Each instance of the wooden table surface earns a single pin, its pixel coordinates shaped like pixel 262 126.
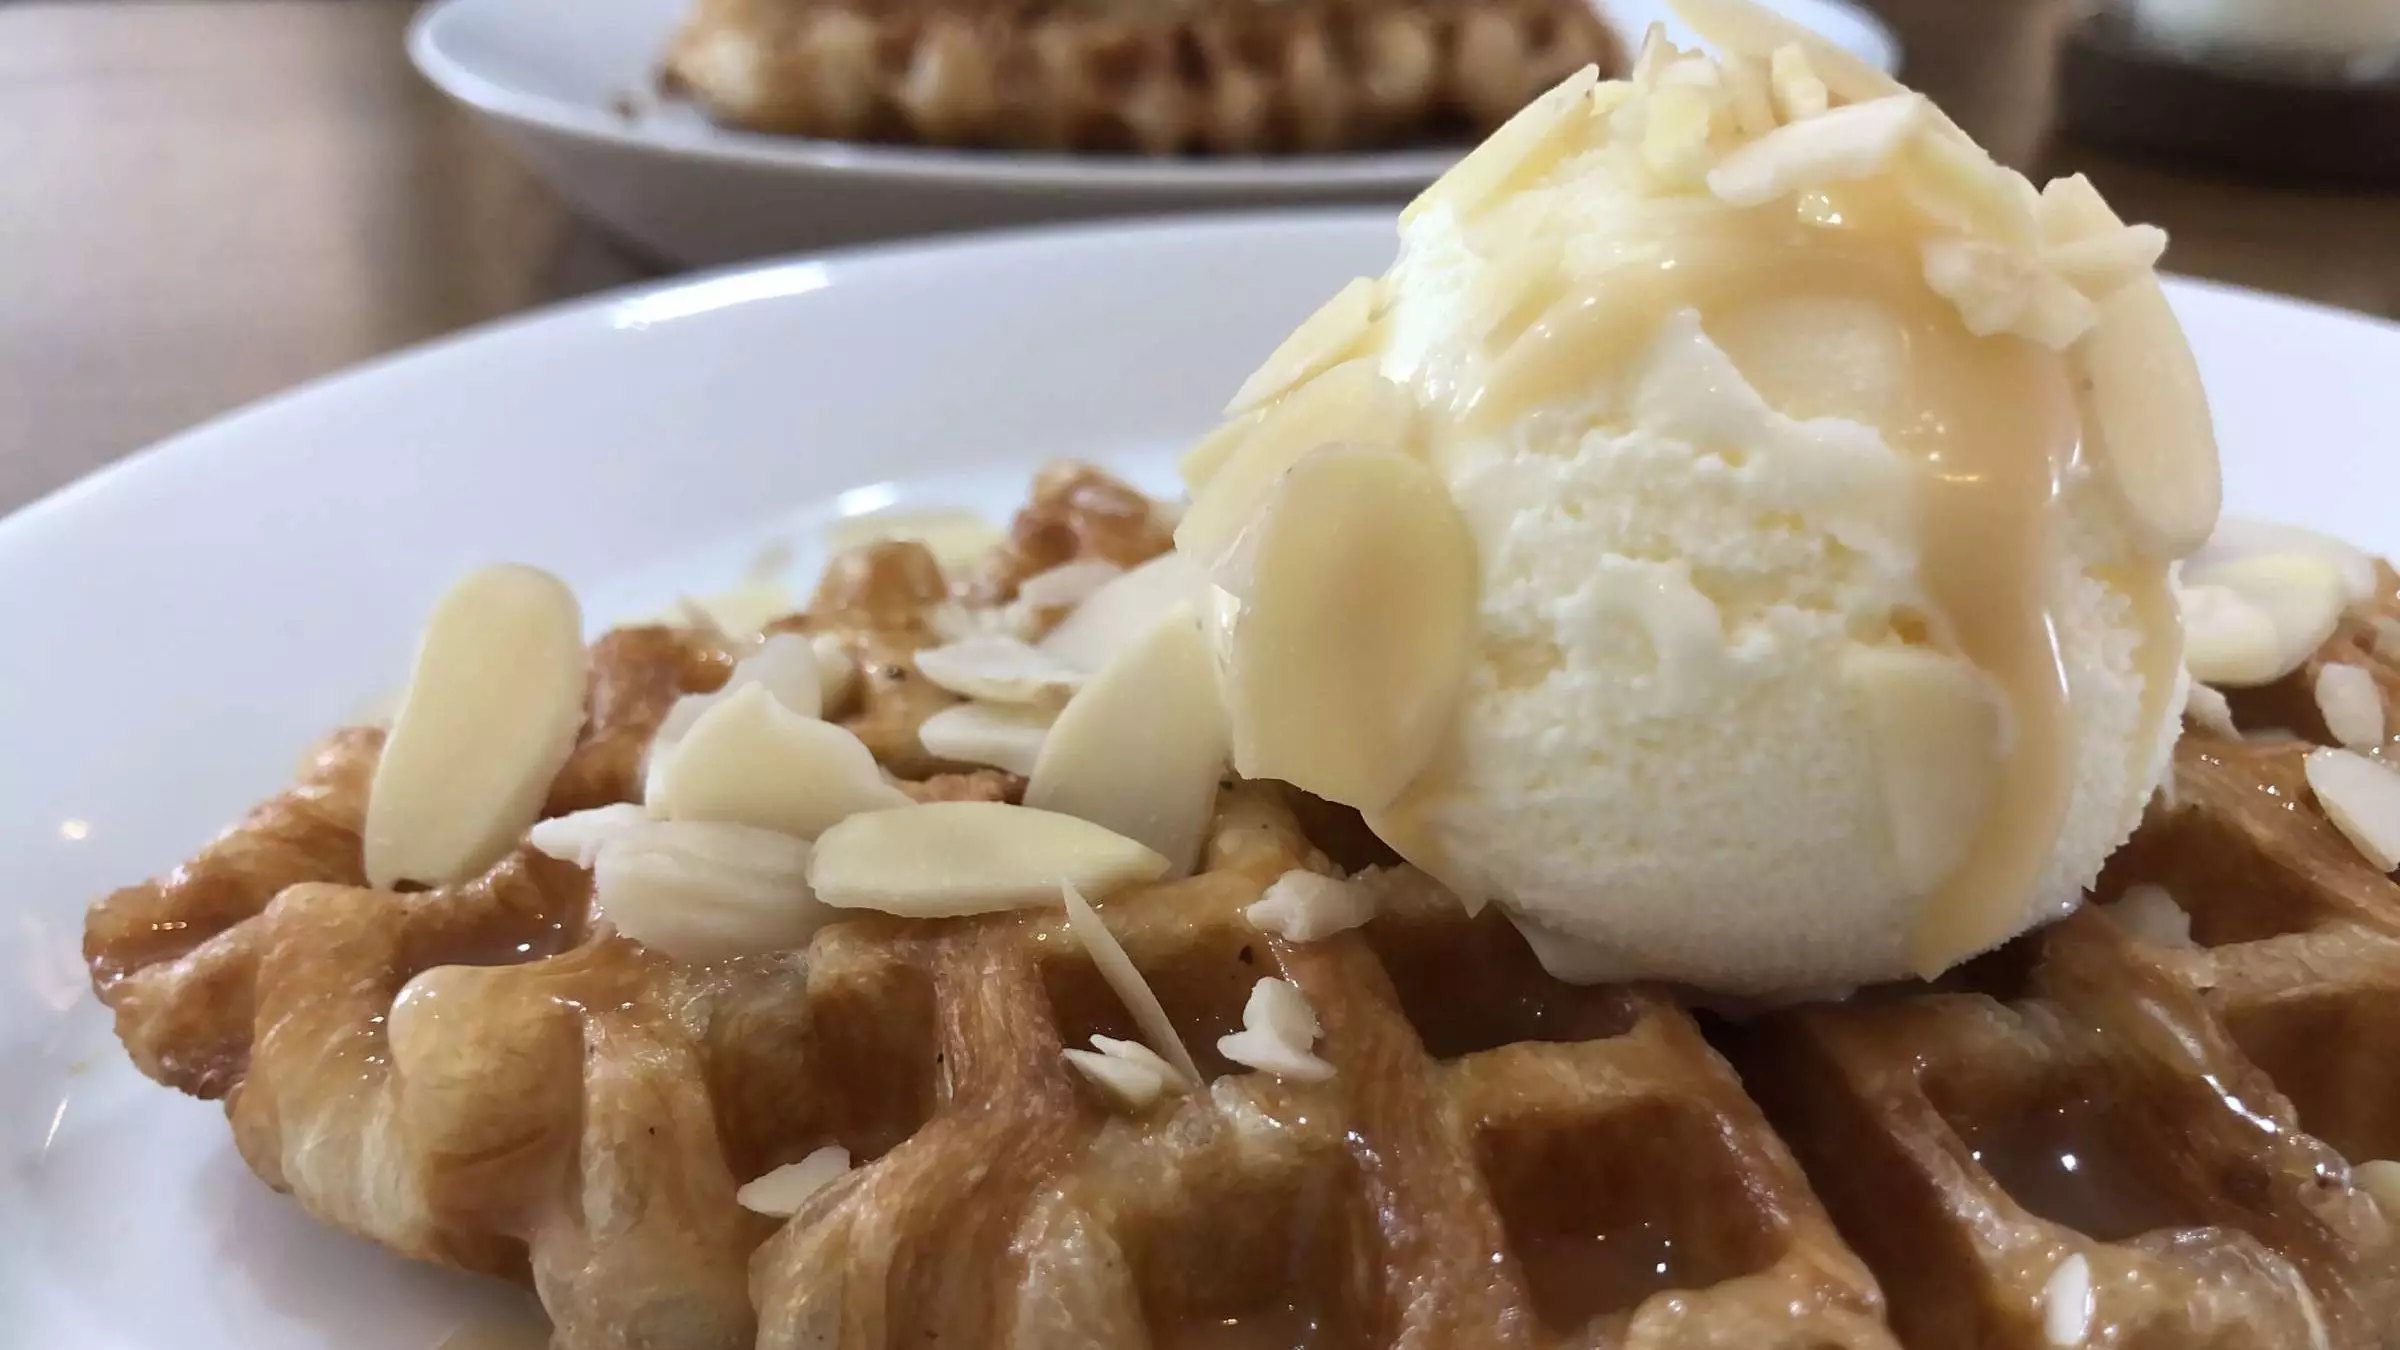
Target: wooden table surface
pixel 206 201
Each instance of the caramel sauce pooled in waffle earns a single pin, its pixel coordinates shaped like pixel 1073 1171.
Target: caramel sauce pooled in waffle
pixel 486 1076
pixel 1157 77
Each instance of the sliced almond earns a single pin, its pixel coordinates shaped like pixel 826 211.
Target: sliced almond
pixel 742 611
pixel 957 539
pixel 2098 265
pixel 1792 82
pixel 2147 427
pixel 577 836
pixel 1305 906
pixel 2147 912
pixel 2380 1179
pixel 1278 1027
pixel 2227 640
pixel 1841 146
pixel 1347 625
pixel 1998 289
pixel 1528 141
pixel 2301 595
pixel 1749 96
pixel 1956 185
pixel 837 674
pixel 1741 28
pixel 491 713
pixel 1514 281
pixel 2351 704
pixel 2387 638
pixel 1067 585
pixel 1934 728
pixel 751 761
pixel 1124 610
pixel 1133 1084
pixel 946 858
pixel 1676 133
pixel 2067 1302
pixel 1141 749
pixel 1323 340
pixel 786 665
pixel 1004 736
pixel 2236 538
pixel 2070 208
pixel 782 1192
pixel 1208 454
pixel 1000 669
pixel 1350 404
pixel 1109 958
pixel 2362 799
pixel 2209 709
pixel 701 891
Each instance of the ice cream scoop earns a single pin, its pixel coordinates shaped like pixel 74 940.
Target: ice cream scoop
pixel 1736 534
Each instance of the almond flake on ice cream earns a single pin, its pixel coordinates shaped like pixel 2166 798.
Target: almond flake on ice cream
pixel 2351 704
pixel 782 1192
pixel 1322 340
pixel 1117 968
pixel 1303 906
pixel 1852 142
pixel 2362 799
pixel 939 859
pixel 491 713
pixel 1128 1071
pixel 1278 1027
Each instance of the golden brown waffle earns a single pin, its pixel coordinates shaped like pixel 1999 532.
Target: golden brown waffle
pixel 2179 1116
pixel 1158 77
pixel 484 1076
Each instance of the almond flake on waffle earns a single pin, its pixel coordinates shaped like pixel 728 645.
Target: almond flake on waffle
pixel 1246 77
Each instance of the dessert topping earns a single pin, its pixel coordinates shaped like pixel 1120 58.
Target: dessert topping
pixel 1302 906
pixel 1109 958
pixel 749 760
pixel 1278 1027
pixel 2362 799
pixel 491 714
pixel 1345 624
pixel 938 859
pixel 1128 1071
pixel 1141 749
pixel 1004 736
pixel 2351 704
pixel 783 1191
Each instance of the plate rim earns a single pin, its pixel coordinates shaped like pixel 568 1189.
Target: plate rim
pixel 1008 170
pixel 41 512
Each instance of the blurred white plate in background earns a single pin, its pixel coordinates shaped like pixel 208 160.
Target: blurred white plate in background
pixel 556 78
pixel 180 626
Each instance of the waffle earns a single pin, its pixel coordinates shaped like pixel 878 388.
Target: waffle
pixel 2179 1116
pixel 486 1076
pixel 1227 77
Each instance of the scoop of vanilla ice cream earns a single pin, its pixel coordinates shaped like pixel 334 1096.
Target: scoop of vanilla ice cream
pixel 1761 397
pixel 1657 764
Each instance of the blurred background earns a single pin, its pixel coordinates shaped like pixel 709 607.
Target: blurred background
pixel 205 201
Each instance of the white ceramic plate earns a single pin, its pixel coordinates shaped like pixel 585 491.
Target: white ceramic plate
pixel 553 77
pixel 178 628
